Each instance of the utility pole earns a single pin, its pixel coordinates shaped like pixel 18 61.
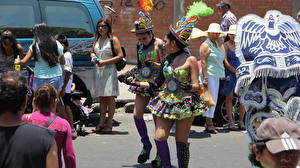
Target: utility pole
pixel 178 11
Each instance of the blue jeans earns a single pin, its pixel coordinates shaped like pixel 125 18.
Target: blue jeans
pixel 56 82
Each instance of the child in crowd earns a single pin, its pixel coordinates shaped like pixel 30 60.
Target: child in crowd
pixel 67 80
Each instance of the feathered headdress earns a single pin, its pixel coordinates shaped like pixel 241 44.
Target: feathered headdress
pixel 144 23
pixel 146 5
pixel 185 25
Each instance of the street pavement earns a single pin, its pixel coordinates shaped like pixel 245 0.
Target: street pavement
pixel 121 148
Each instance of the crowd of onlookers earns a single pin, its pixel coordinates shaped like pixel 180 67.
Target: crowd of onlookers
pixel 35 146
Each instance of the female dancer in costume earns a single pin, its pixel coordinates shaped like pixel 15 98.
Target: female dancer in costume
pixel 149 56
pixel 178 100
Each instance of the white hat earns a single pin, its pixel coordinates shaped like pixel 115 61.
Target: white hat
pixel 232 30
pixel 214 28
pixel 196 33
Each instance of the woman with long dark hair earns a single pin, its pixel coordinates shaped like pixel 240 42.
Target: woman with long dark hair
pixel 48 54
pixel 9 50
pixel 105 80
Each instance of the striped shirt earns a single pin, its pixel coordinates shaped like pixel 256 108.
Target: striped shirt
pixel 227 20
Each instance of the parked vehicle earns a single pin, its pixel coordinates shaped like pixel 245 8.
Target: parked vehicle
pixel 76 19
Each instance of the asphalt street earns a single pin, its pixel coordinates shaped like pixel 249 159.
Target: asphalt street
pixel 121 148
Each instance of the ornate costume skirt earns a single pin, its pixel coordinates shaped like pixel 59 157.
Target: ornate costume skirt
pixel 190 106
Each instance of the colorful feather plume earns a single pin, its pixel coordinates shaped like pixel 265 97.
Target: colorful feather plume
pixel 198 9
pixel 146 5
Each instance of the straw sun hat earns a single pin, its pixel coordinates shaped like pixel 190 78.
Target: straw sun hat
pixel 232 30
pixel 212 28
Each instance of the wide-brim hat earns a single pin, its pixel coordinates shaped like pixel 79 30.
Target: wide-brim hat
pixel 232 30
pixel 279 134
pixel 196 33
pixel 215 28
pixel 172 30
pixel 141 30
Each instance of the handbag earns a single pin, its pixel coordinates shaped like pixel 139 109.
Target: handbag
pixel 122 63
pixel 205 95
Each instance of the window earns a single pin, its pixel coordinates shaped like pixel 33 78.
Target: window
pixel 18 18
pixel 71 19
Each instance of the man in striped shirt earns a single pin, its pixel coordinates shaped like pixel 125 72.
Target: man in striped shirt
pixel 228 18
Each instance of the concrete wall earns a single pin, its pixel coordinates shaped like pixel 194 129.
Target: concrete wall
pixel 296 7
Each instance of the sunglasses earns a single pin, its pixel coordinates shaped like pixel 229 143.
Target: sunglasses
pixel 103 26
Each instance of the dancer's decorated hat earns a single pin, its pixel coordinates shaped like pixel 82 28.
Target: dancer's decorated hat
pixel 144 22
pixel 183 28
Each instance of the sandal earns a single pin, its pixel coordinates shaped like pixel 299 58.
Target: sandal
pixel 98 129
pixel 107 130
pixel 232 127
pixel 211 129
pixel 242 126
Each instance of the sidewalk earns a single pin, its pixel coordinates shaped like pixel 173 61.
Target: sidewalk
pixel 124 93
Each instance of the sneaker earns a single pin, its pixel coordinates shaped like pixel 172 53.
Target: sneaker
pixel 74 134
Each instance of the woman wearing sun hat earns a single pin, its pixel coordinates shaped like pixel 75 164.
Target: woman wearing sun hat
pixel 178 80
pixel 230 80
pixel 149 56
pixel 212 54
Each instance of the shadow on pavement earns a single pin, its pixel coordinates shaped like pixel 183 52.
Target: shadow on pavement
pixel 113 133
pixel 196 135
pixel 146 165
pixel 199 135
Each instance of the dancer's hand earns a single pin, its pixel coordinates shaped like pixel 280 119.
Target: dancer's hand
pixel 130 81
pixel 144 84
pixel 122 78
pixel 205 82
pixel 148 63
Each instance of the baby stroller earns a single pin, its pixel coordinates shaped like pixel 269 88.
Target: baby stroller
pixel 27 72
pixel 81 115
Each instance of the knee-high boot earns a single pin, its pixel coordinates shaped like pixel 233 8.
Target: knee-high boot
pixel 183 154
pixel 142 129
pixel 164 153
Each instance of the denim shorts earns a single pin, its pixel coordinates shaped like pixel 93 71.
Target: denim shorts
pixel 56 82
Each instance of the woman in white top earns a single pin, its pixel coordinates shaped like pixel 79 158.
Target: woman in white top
pixel 105 80
pixel 47 53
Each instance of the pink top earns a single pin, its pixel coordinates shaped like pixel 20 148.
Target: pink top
pixel 63 136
